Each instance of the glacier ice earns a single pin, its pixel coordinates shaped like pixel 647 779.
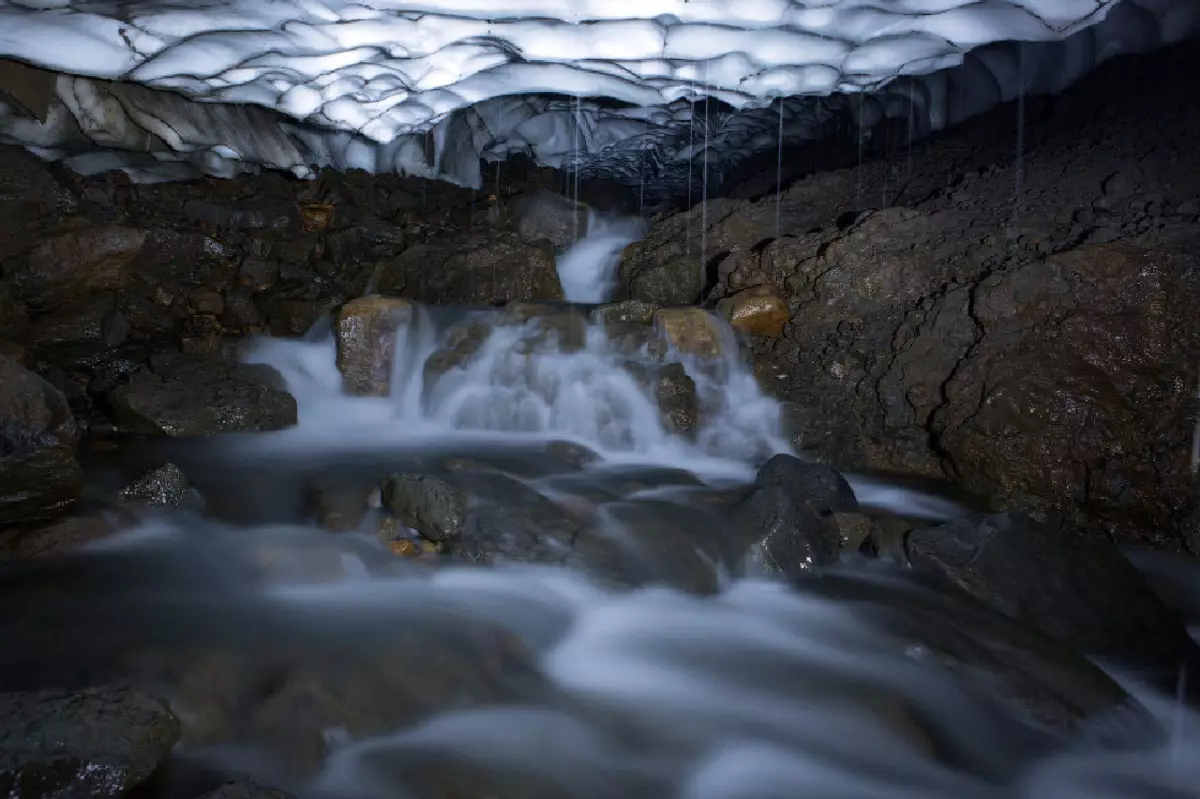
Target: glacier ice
pixel 162 88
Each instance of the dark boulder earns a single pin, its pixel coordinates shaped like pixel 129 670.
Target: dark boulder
pixel 184 395
pixel 1079 590
pixel 101 742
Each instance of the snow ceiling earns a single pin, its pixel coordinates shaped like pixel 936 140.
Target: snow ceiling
pixel 167 88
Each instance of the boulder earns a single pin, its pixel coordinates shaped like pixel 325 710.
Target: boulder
pixel 815 484
pixel 39 476
pixel 101 742
pixel 544 215
pixel 428 505
pixel 184 395
pixel 474 269
pixel 1076 589
pixel 367 329
pixel 791 519
pixel 760 311
pixel 690 331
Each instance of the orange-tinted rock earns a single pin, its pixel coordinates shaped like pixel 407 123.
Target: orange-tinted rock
pixel 691 331
pixel 316 217
pixel 760 311
pixel 366 342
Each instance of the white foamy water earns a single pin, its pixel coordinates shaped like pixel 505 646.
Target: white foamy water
pixel 521 386
pixel 588 270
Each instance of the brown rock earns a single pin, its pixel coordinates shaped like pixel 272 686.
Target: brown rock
pixel 317 217
pixel 76 262
pixel 691 331
pixel 366 342
pixel 628 312
pixel 207 301
pixel 760 311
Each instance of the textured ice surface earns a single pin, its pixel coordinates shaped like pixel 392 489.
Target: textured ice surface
pixel 427 87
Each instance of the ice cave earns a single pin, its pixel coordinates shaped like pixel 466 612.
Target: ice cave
pixel 569 399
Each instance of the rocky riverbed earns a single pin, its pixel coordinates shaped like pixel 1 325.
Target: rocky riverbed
pixel 324 486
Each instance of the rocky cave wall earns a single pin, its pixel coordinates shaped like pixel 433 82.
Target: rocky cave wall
pixel 1017 320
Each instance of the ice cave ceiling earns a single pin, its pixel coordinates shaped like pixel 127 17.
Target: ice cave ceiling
pixel 166 89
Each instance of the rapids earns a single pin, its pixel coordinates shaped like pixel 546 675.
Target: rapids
pixel 321 663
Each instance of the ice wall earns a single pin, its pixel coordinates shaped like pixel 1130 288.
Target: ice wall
pixel 164 89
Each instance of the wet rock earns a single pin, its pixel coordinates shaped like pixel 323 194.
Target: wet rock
pixel 100 742
pixel 240 312
pixel 544 215
pixel 475 269
pixel 690 331
pixel 208 302
pixel 367 330
pixel 571 453
pixel 28 195
pixel 184 395
pixel 790 521
pixel 760 311
pixel 1077 398
pixel 426 504
pixel 785 536
pixel 39 476
pixel 258 274
pixel 317 217
pixel 677 281
pixel 853 529
pixel 77 262
pixel 815 484
pixel 627 312
pixel 561 331
pixel 678 406
pixel 1080 591
pixel 242 789
pixel 164 486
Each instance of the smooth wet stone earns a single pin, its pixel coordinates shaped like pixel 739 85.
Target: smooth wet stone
pixel 367 331
pixel 427 504
pixel 690 331
pixel 853 529
pixel 100 742
pixel 164 486
pixel 678 406
pixel 1081 591
pixel 815 484
pixel 186 395
pixel 760 311
pixel 786 536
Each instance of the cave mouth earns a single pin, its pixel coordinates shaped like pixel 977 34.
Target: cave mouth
pixel 819 464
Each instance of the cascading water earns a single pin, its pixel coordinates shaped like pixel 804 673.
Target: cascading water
pixel 321 663
pixel 588 270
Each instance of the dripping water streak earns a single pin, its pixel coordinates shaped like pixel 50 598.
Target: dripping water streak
pixel 779 170
pixel 704 208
